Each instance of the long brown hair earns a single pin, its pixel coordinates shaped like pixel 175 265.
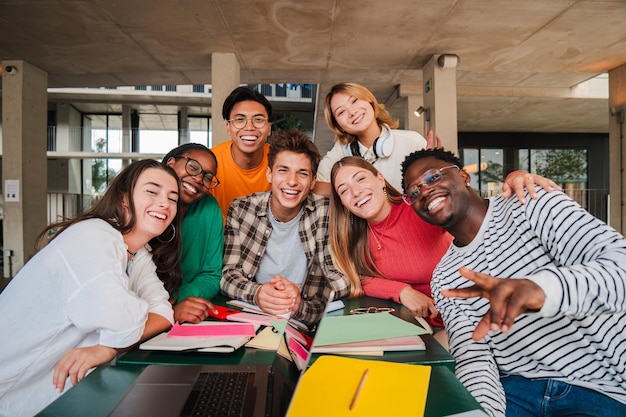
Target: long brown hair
pixel 357 91
pixel 349 234
pixel 165 249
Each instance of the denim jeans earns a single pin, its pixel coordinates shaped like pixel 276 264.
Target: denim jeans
pixel 551 398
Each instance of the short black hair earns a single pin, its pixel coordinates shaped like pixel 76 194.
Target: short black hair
pixel 293 140
pixel 438 153
pixel 185 148
pixel 243 93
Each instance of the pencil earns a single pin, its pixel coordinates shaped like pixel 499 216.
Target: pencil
pixel 358 389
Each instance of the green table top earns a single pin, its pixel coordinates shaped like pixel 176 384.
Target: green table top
pixel 101 390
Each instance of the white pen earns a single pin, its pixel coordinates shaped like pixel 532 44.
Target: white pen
pixel 424 324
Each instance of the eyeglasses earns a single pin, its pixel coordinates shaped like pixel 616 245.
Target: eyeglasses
pixel 239 122
pixel 429 179
pixel 372 310
pixel 193 168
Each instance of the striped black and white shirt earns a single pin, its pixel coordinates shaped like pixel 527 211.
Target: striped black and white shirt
pixel 578 336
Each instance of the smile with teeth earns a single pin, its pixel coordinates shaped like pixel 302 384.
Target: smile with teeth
pixel 249 138
pixel 190 188
pixel 358 119
pixel 157 215
pixel 435 203
pixel 363 201
pixel 290 192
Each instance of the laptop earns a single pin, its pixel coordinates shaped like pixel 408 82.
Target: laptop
pixel 213 390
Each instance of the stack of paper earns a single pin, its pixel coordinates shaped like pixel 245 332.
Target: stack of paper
pixel 367 333
pixel 207 336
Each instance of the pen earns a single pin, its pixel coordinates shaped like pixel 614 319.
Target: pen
pixel 358 389
pixel 424 324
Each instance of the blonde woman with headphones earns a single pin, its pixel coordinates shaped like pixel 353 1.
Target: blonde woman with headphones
pixel 363 127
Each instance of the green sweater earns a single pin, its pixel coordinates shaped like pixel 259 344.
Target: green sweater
pixel 203 247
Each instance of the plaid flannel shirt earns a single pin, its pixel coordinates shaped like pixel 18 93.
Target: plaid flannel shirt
pixel 245 238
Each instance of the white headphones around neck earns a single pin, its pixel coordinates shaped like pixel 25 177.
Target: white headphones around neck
pixel 382 147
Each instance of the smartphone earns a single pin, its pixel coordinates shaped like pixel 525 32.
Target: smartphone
pixel 223 312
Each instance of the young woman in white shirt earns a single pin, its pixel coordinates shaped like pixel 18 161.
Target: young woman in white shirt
pixel 97 286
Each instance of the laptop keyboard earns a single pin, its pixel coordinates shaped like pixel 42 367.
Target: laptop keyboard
pixel 219 394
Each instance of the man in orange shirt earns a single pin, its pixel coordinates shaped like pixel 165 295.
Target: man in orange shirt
pixel 242 161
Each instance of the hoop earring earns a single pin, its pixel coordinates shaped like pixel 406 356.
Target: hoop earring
pixel 386 195
pixel 171 238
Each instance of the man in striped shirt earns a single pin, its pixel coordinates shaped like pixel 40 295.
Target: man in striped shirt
pixel 533 295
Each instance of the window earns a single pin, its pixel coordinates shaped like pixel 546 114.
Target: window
pixel 576 162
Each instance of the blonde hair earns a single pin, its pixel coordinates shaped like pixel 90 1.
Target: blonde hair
pixel 349 234
pixel 357 91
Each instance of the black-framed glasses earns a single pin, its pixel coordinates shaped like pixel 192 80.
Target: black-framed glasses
pixel 193 168
pixel 429 179
pixel 372 310
pixel 239 122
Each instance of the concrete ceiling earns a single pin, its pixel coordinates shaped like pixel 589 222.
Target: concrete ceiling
pixel 520 61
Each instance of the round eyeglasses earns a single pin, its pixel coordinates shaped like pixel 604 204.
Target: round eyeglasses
pixel 193 168
pixel 239 122
pixel 429 179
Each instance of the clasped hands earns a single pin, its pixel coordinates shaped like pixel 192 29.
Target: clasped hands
pixel 278 296
pixel 508 298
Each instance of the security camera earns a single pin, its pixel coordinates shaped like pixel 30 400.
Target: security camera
pixel 448 61
pixel 10 69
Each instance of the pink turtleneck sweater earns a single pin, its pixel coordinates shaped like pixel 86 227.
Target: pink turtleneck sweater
pixel 410 250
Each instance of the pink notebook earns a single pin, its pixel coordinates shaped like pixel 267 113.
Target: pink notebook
pixel 212 330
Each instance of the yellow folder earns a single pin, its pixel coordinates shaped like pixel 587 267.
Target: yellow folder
pixel 333 384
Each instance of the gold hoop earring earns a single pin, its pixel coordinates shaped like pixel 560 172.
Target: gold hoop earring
pixel 171 238
pixel 385 192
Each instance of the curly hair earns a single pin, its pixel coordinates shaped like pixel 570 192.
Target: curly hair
pixel 438 153
pixel 184 149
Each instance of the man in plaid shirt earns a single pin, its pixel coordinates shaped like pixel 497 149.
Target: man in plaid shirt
pixel 276 252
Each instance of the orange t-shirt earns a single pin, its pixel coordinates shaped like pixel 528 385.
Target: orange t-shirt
pixel 234 181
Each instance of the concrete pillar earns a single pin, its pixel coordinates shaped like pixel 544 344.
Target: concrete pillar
pixel 127 125
pixel 412 96
pixel 415 123
pixel 24 173
pixel 225 77
pixel 617 148
pixel 323 137
pixel 68 139
pixel 183 125
pixel 440 99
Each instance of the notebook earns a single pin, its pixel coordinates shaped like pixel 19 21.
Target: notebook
pixel 189 337
pixel 170 390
